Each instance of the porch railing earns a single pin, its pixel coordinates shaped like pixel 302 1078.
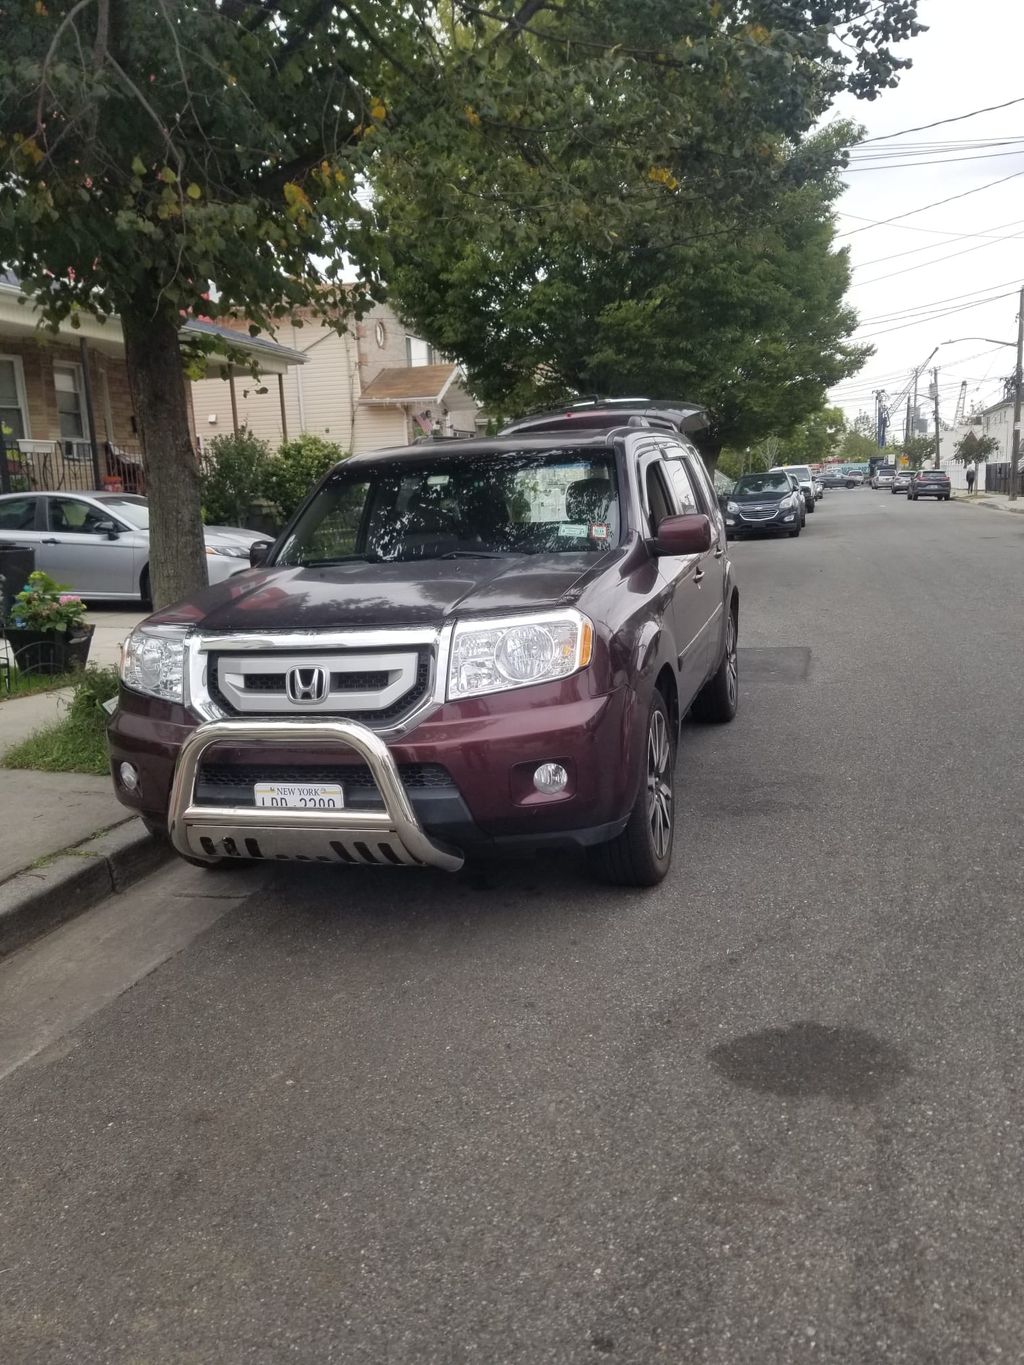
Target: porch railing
pixel 68 466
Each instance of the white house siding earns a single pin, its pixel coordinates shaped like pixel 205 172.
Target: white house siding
pixel 319 396
pixel 379 428
pixel 997 422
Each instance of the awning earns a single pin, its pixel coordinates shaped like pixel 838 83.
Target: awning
pixel 424 385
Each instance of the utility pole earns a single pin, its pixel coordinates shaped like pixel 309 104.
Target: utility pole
pixel 1018 384
pixel 938 438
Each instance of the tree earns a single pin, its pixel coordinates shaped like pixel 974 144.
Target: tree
pixel 208 156
pixel 856 447
pixel 816 438
pixel 725 287
pixel 973 449
pixel 918 451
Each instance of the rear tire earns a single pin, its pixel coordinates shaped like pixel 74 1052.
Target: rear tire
pixel 642 854
pixel 718 700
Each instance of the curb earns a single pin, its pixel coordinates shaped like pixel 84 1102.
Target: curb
pixel 39 899
pixel 991 505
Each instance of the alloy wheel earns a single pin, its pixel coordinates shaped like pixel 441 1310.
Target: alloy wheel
pixel 732 663
pixel 659 788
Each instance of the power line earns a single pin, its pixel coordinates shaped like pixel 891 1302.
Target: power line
pixel 936 303
pixel 933 317
pixel 923 265
pixel 958 118
pixel 931 246
pixel 910 227
pixel 935 161
pixel 883 222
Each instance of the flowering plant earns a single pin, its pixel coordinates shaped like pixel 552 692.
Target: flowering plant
pixel 43 604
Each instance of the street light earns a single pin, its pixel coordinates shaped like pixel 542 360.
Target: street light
pixel 1018 386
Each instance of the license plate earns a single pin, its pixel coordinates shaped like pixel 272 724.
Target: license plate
pixel 300 796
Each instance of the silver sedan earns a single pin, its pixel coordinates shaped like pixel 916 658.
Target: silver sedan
pixel 97 544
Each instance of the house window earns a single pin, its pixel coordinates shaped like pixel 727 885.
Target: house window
pixel 13 408
pixel 418 352
pixel 67 382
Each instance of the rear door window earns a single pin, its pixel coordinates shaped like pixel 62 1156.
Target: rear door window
pixel 18 514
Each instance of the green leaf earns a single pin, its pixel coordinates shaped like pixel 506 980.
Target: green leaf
pixel 138 165
pixel 194 191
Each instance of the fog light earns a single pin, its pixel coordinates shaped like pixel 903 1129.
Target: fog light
pixel 550 778
pixel 129 776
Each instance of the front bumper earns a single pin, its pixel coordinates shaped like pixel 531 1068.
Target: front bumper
pixel 780 522
pixel 478 793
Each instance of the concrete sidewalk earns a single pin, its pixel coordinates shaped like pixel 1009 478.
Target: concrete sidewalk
pixel 66 842
pixel 996 502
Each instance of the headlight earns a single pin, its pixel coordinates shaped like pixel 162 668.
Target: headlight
pixel 494 656
pixel 232 551
pixel 153 662
pixel 731 507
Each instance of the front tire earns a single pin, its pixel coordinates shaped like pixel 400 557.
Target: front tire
pixel 795 532
pixel 642 854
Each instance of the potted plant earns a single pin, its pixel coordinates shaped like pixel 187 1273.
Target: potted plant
pixel 45 628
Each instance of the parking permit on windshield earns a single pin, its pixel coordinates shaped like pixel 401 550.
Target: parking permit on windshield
pixel 598 530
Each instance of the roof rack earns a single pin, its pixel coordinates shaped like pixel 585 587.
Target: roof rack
pixel 663 413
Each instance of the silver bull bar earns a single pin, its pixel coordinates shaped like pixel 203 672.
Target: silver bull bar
pixel 389 837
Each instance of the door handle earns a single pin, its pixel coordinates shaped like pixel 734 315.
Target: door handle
pixel 719 551
pixel 51 540
pixel 698 576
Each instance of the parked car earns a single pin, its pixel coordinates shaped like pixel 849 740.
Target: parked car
pixel 857 473
pixel 802 474
pixel 453 648
pixel 819 488
pixel 835 478
pixel 97 544
pixel 883 476
pixel 902 480
pixel 930 483
pixel 771 502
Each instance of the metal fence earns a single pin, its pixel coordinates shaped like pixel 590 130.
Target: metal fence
pixel 997 478
pixel 70 466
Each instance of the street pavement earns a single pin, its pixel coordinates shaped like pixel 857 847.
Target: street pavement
pixel 770 1112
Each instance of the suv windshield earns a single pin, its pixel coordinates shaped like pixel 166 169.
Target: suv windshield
pixel 763 483
pixel 519 502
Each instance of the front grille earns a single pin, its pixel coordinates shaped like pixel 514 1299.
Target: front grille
pixel 231 784
pixel 366 680
pixel 340 682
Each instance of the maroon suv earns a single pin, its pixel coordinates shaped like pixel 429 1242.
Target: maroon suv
pixel 457 647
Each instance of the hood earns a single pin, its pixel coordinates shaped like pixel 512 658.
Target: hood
pixel 231 535
pixel 422 592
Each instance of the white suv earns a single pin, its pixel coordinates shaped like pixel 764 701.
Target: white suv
pixel 804 477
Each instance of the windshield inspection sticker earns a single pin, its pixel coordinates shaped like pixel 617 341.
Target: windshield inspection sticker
pixel 572 531
pixel 598 530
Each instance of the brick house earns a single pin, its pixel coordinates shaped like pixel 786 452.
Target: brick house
pixel 65 403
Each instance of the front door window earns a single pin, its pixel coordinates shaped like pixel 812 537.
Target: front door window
pixel 66 381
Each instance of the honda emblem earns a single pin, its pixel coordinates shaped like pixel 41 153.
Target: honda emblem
pixel 306 686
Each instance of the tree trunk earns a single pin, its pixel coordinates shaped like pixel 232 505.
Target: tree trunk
pixel 177 564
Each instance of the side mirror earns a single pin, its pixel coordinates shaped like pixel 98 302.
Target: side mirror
pixel 259 550
pixel 689 535
pixel 110 529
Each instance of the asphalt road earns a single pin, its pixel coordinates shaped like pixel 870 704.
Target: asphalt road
pixel 768 1113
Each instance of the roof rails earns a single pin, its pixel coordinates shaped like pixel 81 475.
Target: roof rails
pixel 608 413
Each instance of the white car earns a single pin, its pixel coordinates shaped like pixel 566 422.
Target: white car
pixel 883 476
pixel 804 477
pixel 97 544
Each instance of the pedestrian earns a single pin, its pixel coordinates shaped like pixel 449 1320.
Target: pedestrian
pixel 970 479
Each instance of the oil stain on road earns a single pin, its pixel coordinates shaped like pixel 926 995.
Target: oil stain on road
pixel 806 1059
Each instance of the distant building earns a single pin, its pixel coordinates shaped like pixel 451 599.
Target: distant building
pixel 373 385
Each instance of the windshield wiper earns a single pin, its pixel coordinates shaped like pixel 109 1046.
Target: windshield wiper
pixel 338 559
pixel 472 554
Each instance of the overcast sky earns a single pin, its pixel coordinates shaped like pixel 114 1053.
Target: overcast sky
pixel 972 56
